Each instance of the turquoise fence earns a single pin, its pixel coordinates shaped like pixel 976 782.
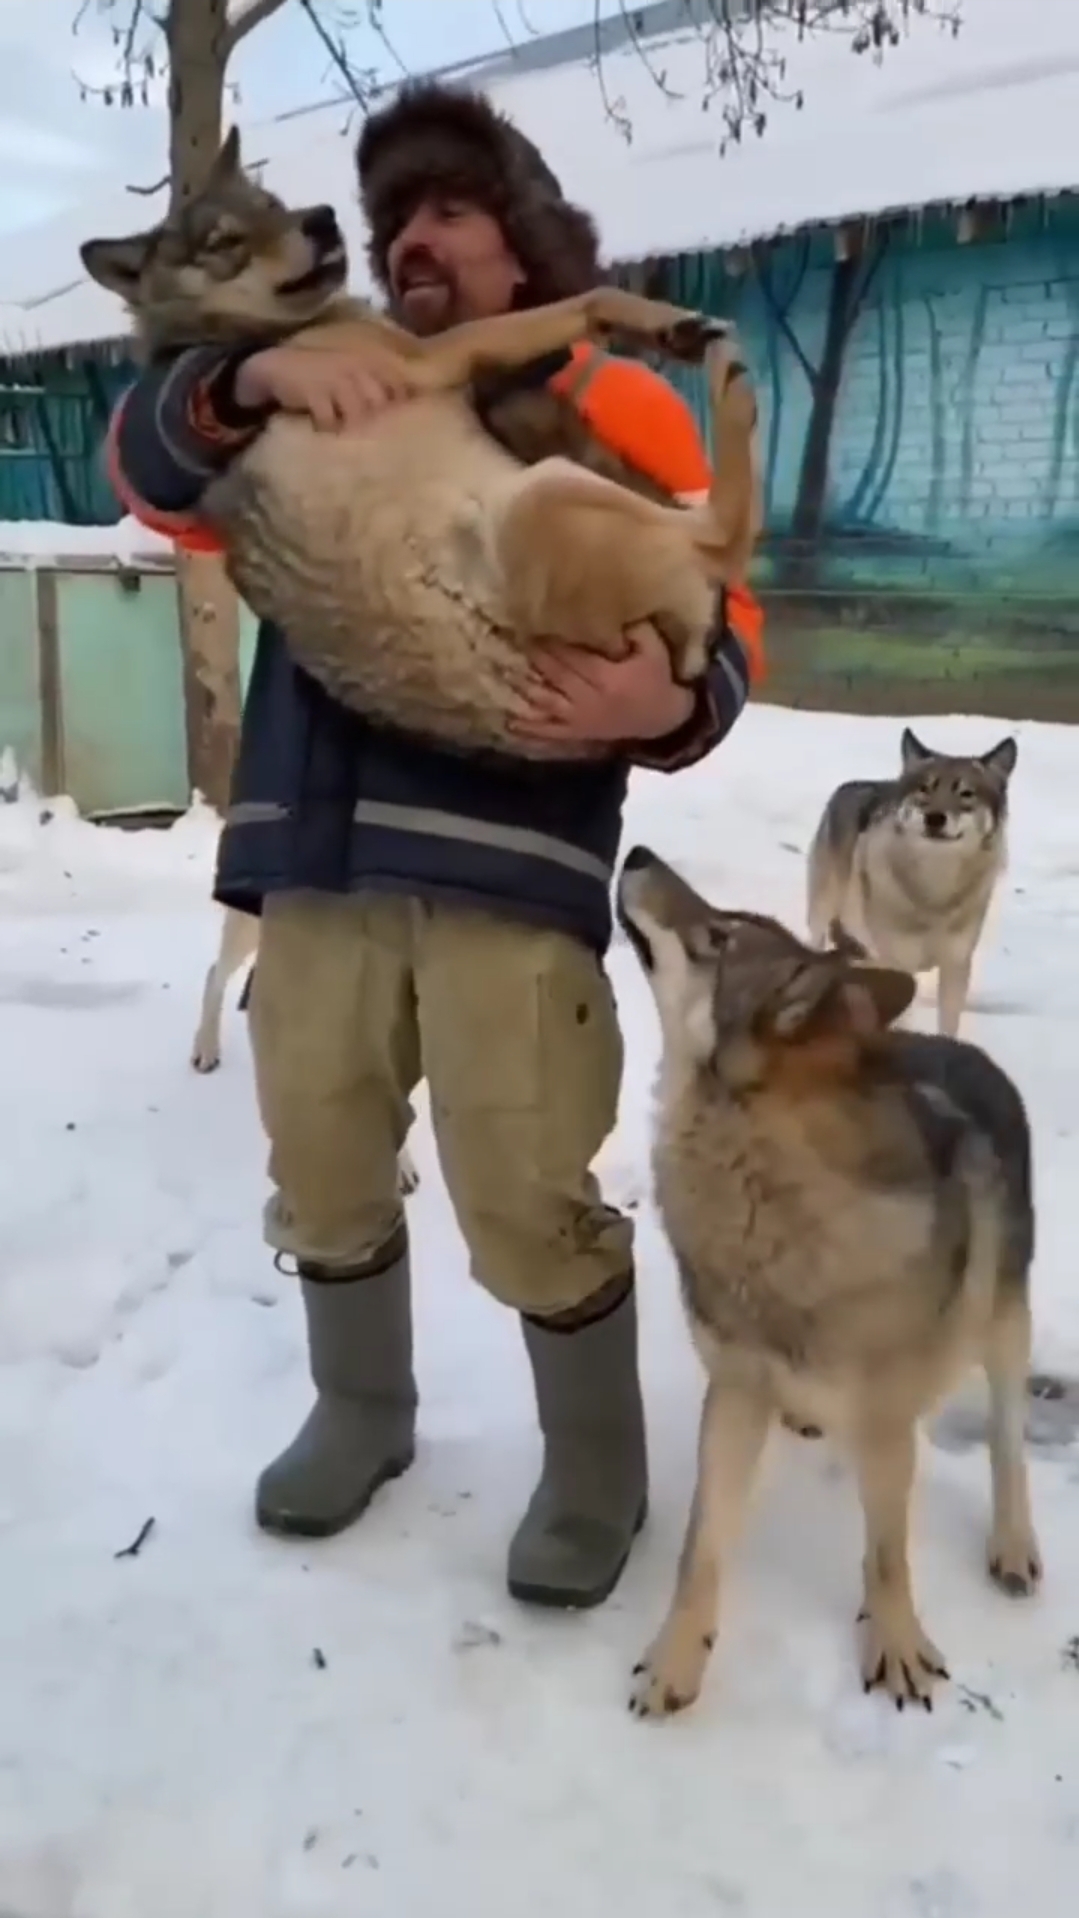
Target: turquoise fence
pixel 92 684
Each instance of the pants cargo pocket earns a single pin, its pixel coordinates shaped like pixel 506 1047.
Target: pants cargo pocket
pixel 523 1056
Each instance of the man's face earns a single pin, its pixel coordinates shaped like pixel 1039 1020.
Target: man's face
pixel 450 263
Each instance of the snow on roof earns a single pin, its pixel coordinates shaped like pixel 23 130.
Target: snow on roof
pixel 989 114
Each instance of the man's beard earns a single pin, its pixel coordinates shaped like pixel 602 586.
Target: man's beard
pixel 427 308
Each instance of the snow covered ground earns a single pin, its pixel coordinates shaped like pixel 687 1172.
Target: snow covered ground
pixel 226 1727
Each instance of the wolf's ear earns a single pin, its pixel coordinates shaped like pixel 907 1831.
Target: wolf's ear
pixel 229 160
pixel 1000 760
pixel 800 993
pixel 820 995
pixel 876 996
pixel 844 942
pixel 117 264
pixel 911 750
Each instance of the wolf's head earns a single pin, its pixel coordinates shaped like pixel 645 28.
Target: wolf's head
pixel 948 799
pixel 738 996
pixel 232 264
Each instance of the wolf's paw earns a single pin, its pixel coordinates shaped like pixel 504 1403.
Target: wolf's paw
pixel 898 1658
pixel 407 1176
pixel 1015 1563
pixel 670 1674
pixel 689 337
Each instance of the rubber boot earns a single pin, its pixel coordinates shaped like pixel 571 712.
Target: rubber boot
pixel 571 1547
pixel 361 1430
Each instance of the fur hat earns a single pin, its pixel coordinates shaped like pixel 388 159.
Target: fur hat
pixel 453 141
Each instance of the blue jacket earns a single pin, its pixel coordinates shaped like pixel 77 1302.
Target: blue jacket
pixel 324 799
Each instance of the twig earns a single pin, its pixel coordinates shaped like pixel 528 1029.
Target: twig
pixel 503 27
pixel 361 85
pixel 127 52
pixel 658 79
pixel 615 111
pixel 744 55
pixel 376 20
pixel 137 1543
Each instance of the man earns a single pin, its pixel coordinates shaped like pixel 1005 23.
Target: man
pixel 428 915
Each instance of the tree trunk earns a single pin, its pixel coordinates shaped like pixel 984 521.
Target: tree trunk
pixel 209 611
pixel 210 637
pixel 808 517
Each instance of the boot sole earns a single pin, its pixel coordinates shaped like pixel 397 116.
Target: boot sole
pixel 558 1599
pixel 299 1525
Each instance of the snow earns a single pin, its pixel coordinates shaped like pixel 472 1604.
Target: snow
pixel 939 120
pixel 171 1744
pixel 40 542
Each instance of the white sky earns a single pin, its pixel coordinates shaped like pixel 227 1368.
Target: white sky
pixel 52 145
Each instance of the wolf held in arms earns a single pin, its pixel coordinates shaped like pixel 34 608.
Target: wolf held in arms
pixel 411 564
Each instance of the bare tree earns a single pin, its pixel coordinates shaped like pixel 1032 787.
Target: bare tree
pixel 745 46
pixel 184 49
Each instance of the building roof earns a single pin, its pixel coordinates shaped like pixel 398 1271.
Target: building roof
pixel 988 114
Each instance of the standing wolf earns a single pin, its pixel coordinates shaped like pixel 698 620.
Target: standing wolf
pixel 851 1210
pixel 426 914
pixel 907 867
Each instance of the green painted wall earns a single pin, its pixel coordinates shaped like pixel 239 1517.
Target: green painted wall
pixel 119 673
pixel 20 689
pixel 122 696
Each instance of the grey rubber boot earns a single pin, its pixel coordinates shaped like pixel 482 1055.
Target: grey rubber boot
pixel 361 1431
pixel 571 1547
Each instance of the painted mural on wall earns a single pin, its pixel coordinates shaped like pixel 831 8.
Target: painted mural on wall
pixel 920 456
pixel 53 414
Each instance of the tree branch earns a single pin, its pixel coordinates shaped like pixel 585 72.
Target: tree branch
pixel 362 82
pixel 745 45
pixel 245 17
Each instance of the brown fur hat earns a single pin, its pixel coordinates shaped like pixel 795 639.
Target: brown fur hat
pixel 453 141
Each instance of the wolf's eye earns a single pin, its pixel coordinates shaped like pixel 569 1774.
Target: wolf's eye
pixel 707 941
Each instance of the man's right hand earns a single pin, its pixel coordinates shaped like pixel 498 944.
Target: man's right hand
pixel 335 390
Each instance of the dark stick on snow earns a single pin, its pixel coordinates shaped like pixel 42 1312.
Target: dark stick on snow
pixel 136 1545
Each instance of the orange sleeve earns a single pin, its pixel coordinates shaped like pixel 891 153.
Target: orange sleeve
pixel 640 417
pixel 746 621
pixel 184 529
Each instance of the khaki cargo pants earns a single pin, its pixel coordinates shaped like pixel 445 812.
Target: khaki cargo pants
pixel 355 1000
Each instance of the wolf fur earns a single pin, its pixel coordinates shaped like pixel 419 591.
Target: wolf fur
pixel 238 947
pixel 410 564
pixel 907 867
pixel 851 1211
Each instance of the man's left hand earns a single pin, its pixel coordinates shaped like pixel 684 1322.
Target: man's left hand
pixel 583 699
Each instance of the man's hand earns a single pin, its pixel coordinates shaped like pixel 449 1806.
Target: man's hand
pixel 583 699
pixel 334 389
